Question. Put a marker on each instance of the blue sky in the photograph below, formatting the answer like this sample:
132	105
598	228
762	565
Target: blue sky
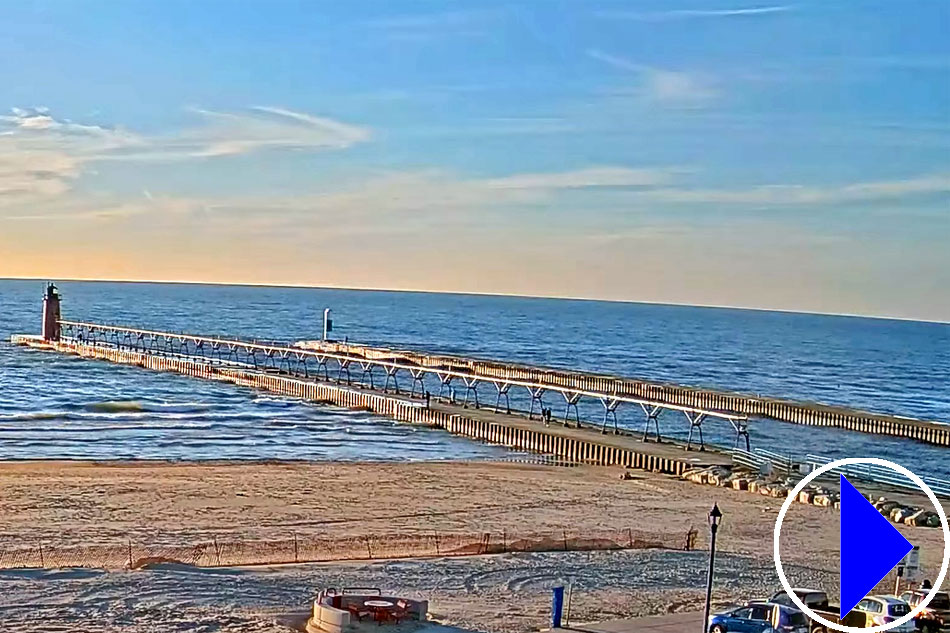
792	156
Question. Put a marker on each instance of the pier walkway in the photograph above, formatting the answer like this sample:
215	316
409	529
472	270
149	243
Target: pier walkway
358	366
302	373
514	430
663	395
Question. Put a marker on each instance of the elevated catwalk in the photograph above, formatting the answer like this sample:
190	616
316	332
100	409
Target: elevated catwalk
664	395
512	430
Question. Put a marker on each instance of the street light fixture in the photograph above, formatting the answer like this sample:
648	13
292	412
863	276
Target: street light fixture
715	516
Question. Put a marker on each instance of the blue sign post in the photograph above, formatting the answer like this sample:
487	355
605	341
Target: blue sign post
557	607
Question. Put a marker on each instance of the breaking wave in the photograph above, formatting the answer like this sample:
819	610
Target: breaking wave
136	406
33	415
116	406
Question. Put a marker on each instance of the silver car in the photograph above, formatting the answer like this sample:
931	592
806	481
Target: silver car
884	610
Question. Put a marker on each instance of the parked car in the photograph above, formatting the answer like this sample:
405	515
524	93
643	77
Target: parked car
884	610
936	616
817	601
813	598
759	617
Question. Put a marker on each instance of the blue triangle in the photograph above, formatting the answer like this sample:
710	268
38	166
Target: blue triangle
870	547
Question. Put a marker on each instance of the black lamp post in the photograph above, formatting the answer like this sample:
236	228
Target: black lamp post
715	515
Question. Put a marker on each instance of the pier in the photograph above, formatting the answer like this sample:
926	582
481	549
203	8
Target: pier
417	387
513	431
737	408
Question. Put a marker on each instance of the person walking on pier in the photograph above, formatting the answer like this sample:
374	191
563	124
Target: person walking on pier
427	399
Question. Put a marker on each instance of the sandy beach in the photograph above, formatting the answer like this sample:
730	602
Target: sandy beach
84	503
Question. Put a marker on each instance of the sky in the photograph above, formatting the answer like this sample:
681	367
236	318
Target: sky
752	154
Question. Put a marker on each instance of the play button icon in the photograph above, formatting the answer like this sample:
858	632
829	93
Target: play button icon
870	546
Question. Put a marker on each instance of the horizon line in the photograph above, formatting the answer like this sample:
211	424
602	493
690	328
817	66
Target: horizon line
488	294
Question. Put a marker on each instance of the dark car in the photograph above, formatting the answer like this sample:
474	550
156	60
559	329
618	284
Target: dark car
759	617
817	601
935	616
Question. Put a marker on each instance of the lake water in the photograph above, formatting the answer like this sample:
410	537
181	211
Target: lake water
56	406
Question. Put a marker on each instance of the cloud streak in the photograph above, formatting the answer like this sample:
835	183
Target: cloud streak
266	128
217	134
42	156
662	85
35	174
686	14
430	198
786	195
425	27
591	177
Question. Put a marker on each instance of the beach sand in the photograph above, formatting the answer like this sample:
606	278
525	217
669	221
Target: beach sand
83	503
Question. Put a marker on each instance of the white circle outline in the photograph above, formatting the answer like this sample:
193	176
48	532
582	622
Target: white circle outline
793	495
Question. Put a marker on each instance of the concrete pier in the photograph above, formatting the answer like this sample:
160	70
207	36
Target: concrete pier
513	431
805	413
304	370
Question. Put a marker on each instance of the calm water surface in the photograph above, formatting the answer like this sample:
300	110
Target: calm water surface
55	406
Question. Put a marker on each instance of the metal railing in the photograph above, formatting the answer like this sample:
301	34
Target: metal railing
791	465
761	458
280	358
881	475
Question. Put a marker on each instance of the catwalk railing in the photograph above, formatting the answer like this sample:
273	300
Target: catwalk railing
805	413
799	465
224	550
319	364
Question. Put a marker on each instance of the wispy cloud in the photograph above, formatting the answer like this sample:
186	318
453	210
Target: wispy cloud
497	126
42	156
785	195
663	85
216	134
686	14
387	202
402	202
35	129
35	174
438	198
591	177
427	26
265	127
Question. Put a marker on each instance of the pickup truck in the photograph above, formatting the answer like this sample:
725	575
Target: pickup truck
817	601
936	617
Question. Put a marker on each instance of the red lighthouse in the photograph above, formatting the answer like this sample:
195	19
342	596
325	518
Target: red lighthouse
51	313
